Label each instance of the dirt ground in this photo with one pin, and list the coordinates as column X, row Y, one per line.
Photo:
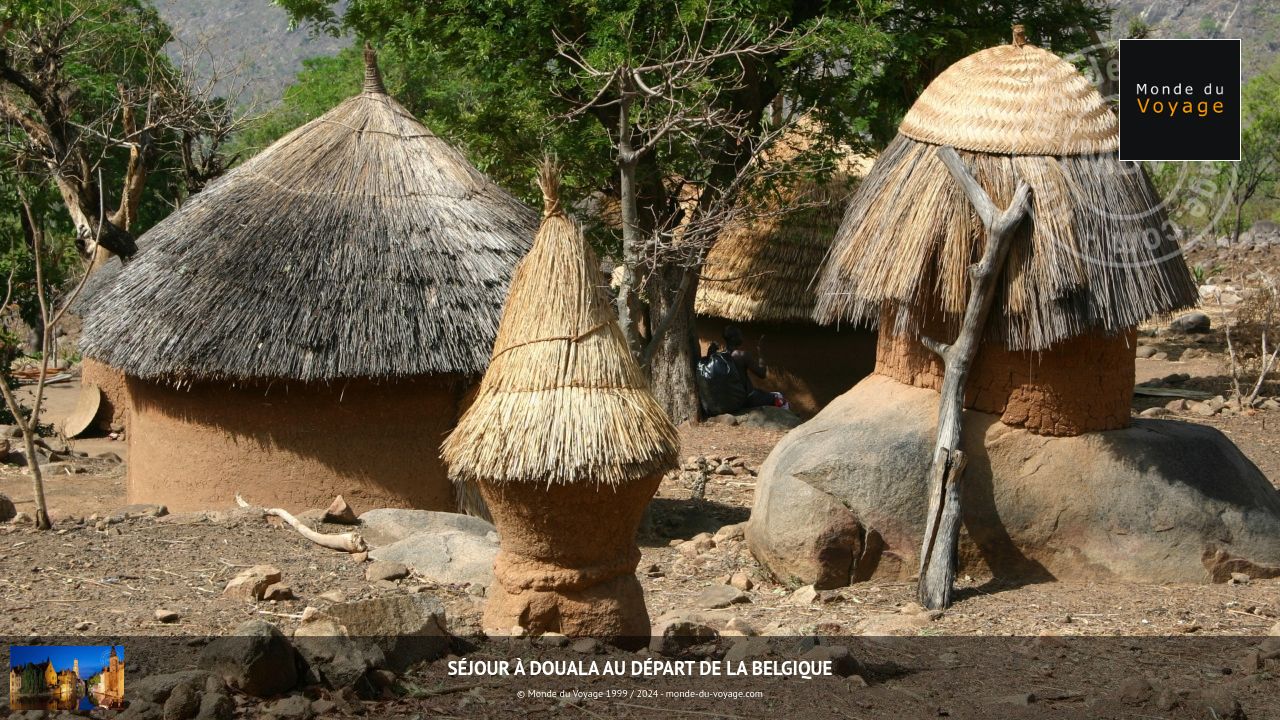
column 90, row 579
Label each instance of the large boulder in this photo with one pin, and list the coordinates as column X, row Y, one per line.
column 842, row 498
column 385, row 526
column 255, row 659
column 449, row 557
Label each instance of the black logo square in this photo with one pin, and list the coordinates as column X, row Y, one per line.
column 1180, row 99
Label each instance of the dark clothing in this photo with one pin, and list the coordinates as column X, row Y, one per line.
column 749, row 364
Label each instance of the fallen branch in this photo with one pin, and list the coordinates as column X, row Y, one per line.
column 350, row 542
column 942, row 525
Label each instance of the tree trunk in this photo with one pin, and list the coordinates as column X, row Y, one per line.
column 671, row 366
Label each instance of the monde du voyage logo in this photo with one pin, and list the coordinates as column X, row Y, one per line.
column 1180, row 99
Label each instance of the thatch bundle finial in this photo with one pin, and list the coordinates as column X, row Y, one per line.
column 372, row 75
column 1019, row 35
column 549, row 183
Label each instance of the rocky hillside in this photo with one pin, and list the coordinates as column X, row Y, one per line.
column 250, row 38
column 1256, row 22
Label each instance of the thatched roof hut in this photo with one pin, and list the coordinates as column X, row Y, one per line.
column 1093, row 260
column 1094, row 257
column 351, row 272
column 563, row 400
column 759, row 276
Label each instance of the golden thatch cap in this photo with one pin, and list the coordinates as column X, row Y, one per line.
column 1013, row 100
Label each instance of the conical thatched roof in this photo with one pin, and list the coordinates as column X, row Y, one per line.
column 563, row 400
column 761, row 267
column 1094, row 255
column 358, row 246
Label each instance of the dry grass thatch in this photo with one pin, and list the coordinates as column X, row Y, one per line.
column 563, row 400
column 761, row 267
column 360, row 245
column 1094, row 256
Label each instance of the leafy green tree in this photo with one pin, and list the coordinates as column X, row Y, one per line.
column 1256, row 174
column 491, row 75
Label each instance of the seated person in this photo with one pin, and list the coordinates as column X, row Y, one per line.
column 724, row 377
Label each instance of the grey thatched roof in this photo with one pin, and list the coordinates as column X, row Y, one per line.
column 359, row 245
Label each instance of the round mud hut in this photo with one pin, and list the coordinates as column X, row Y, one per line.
column 310, row 324
column 758, row 276
column 1061, row 482
column 566, row 444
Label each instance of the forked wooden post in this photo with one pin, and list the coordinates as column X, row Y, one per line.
column 942, row 527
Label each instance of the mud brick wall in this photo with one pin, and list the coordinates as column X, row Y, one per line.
column 1081, row 385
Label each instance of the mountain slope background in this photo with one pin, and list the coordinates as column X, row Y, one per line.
column 255, row 34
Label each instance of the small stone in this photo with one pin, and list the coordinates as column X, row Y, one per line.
column 1191, row 323
column 278, row 592
column 1239, row 578
column 721, row 596
column 586, row 646
column 294, row 707
column 1155, row 412
column 1135, row 690
column 738, row 626
column 251, row 583
column 359, row 557
column 167, row 616
column 340, row 513
column 728, row 533
column 256, row 658
column 842, row 661
column 21, row 518
column 1177, row 405
column 726, row 469
column 7, row 510
column 82, row 625
column 806, row 595
column 696, row 545
column 1146, row 351
column 385, row 570
column 1203, row 409
column 1160, row 356
column 332, row 596
column 673, row 633
column 723, row 419
column 741, row 581
column 552, row 639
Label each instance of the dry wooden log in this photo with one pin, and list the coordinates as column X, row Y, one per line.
column 350, row 542
column 942, row 526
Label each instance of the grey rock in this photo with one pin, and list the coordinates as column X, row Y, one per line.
column 407, row 628
column 7, row 510
column 1146, row 351
column 843, row 497
column 446, row 557
column 333, row 658
column 769, row 418
column 1190, row 323
column 749, row 648
column 256, row 658
column 723, row 419
column 385, row 526
column 843, row 663
column 294, row 707
column 721, row 596
column 183, row 703
column 675, row 632
column 215, row 706
column 385, row 570
column 157, row 688
column 167, row 616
